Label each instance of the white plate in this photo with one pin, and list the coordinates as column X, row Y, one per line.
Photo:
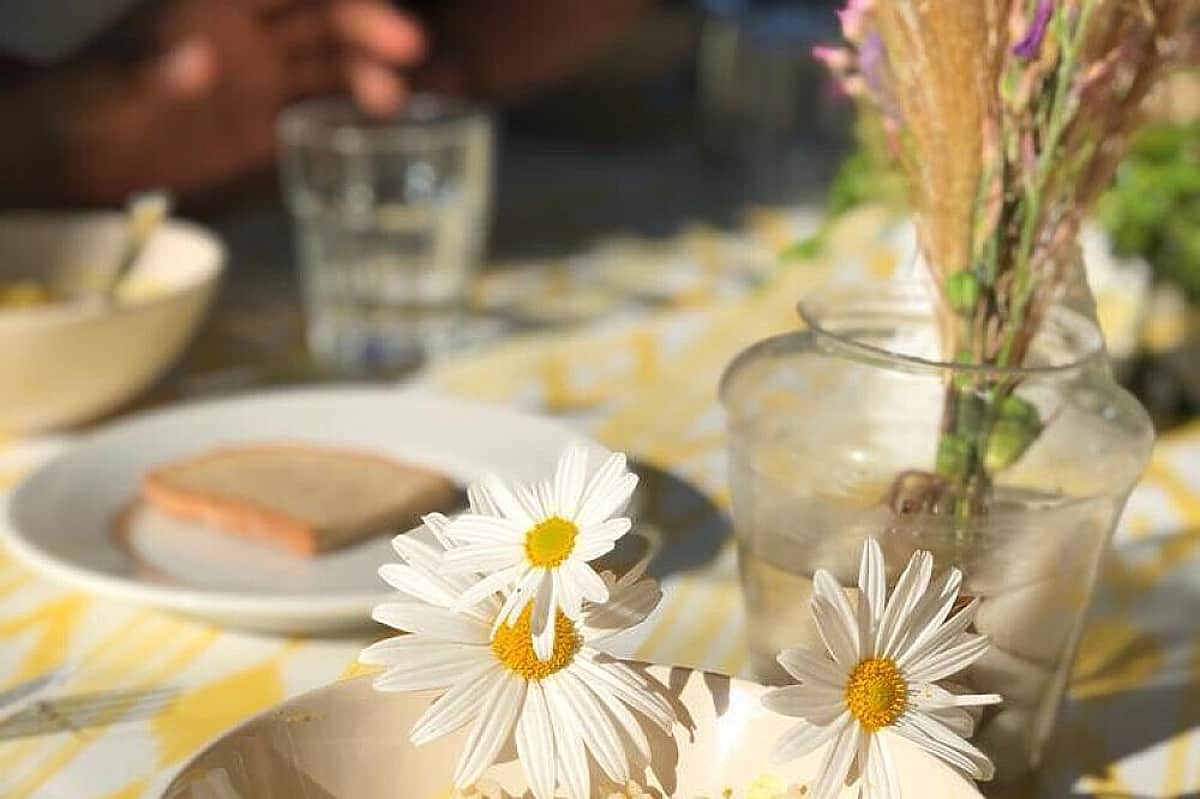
column 60, row 519
column 347, row 741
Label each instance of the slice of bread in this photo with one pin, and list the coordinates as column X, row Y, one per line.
column 308, row 499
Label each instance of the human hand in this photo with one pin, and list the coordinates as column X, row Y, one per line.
column 376, row 41
column 199, row 107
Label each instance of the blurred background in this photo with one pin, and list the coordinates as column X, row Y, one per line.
column 503, row 167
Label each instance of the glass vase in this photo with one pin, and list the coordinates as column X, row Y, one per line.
column 834, row 437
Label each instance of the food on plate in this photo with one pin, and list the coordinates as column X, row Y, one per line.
column 305, row 498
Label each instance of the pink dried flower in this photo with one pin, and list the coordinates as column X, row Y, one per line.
column 837, row 59
column 853, row 18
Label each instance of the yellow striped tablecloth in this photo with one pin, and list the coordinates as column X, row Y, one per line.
column 146, row 689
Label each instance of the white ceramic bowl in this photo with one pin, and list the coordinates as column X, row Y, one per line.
column 65, row 363
column 347, row 741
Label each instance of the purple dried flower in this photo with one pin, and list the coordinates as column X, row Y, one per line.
column 872, row 61
column 1031, row 44
column 873, row 65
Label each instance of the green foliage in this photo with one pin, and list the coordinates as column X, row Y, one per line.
column 865, row 176
column 1153, row 207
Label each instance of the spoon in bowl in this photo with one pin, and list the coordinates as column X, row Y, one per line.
column 143, row 214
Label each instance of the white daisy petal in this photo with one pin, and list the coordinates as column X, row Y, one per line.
column 883, row 779
column 544, row 494
column 440, row 623
column 414, row 650
column 627, row 607
column 950, row 660
column 415, row 551
column 977, row 700
column 419, row 584
column 488, row 586
column 626, row 723
column 872, row 596
column 945, row 634
column 800, row 740
column 521, row 594
column 955, row 719
column 935, row 738
column 817, row 706
column 930, row 613
column 808, row 667
column 607, row 493
column 426, row 562
column 652, row 538
column 457, row 706
column 927, row 695
column 839, row 758
column 827, row 588
column 834, row 632
column 535, row 743
column 482, row 559
column 859, row 763
column 491, row 729
column 908, row 592
column 470, row 528
column 592, row 723
column 507, row 502
column 587, row 582
column 569, row 482
column 624, row 683
column 481, row 501
column 430, row 676
column 570, row 600
column 572, row 758
column 527, row 495
column 593, row 537
column 542, row 618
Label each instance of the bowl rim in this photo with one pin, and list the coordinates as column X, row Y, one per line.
column 664, row 671
column 213, row 267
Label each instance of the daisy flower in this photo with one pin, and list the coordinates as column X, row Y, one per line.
column 534, row 542
column 558, row 710
column 880, row 677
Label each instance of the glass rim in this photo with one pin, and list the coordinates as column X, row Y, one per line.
column 818, row 305
column 336, row 123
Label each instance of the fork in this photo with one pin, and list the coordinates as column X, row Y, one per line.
column 26, row 694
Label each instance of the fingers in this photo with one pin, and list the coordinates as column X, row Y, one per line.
column 314, row 76
column 188, row 69
column 378, row 90
column 377, row 30
column 302, row 30
column 374, row 38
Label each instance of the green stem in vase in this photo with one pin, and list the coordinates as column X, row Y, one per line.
column 1059, row 114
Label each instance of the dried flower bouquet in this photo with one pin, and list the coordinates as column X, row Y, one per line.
column 1007, row 118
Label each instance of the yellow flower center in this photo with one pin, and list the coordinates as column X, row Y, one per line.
column 550, row 542
column 513, row 646
column 876, row 693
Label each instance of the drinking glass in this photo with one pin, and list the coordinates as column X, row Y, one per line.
column 390, row 218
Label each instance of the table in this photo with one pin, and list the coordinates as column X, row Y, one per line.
column 148, row 689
